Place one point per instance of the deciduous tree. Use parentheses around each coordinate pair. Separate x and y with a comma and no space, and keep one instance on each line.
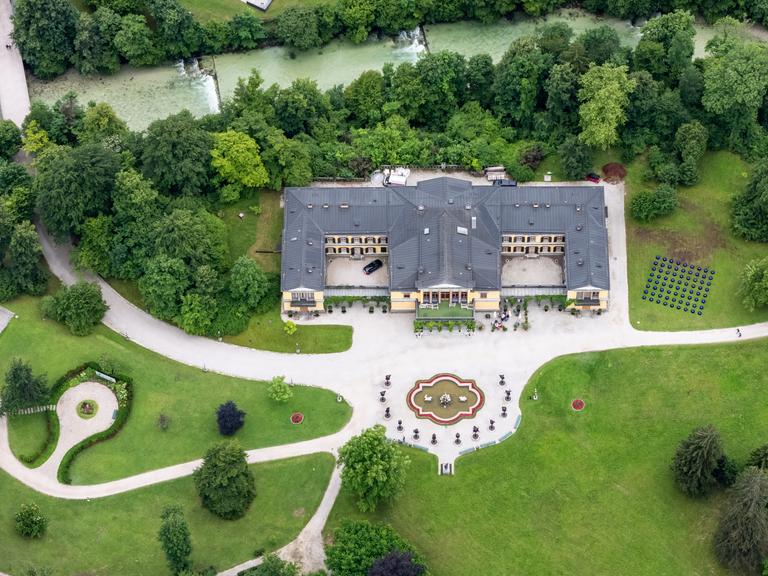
(236,160)
(604,96)
(374,469)
(44,31)
(135,41)
(80,307)
(30,522)
(754,284)
(10,139)
(224,482)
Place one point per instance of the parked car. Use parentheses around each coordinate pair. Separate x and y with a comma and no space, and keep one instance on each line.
(371,267)
(592,177)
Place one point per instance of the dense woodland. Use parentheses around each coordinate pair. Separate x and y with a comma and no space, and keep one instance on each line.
(53,34)
(143,206)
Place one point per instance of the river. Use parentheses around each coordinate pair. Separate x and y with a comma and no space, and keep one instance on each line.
(146,94)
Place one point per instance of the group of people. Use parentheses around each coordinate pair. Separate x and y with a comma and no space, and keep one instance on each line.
(499,319)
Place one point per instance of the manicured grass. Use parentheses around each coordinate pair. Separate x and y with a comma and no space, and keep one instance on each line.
(187,395)
(256,236)
(27,433)
(444,310)
(117,536)
(699,232)
(265,331)
(591,492)
(206,10)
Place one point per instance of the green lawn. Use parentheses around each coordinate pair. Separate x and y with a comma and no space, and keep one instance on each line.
(265,331)
(187,395)
(256,236)
(589,493)
(444,310)
(28,433)
(117,536)
(699,232)
(206,10)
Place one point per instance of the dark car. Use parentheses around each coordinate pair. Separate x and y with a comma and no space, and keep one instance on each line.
(371,267)
(592,177)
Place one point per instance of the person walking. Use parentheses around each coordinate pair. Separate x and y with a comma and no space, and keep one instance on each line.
(738,333)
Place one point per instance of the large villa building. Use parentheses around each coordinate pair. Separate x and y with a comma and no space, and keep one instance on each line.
(445,243)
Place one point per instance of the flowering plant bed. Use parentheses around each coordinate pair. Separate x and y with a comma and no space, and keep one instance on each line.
(87,409)
(445,399)
(578,404)
(297,418)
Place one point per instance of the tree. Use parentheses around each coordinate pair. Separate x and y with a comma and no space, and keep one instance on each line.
(236,160)
(230,418)
(176,155)
(22,388)
(175,539)
(650,204)
(396,564)
(480,74)
(300,106)
(519,81)
(604,96)
(442,78)
(357,545)
(759,458)
(364,97)
(24,254)
(135,41)
(73,184)
(197,238)
(197,313)
(79,307)
(554,38)
(30,522)
(754,284)
(44,31)
(750,207)
(278,390)
(10,139)
(562,87)
(374,469)
(696,461)
(600,43)
(272,565)
(298,28)
(691,144)
(247,283)
(245,31)
(741,539)
(357,16)
(178,32)
(163,285)
(575,158)
(95,50)
(224,482)
(100,124)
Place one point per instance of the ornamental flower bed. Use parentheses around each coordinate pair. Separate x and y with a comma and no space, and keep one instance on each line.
(297,418)
(578,404)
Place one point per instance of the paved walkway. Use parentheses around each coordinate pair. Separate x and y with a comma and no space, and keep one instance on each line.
(382,345)
(5,318)
(72,428)
(14,96)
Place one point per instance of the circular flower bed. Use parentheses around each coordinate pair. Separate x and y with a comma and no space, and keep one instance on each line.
(578,404)
(87,409)
(297,418)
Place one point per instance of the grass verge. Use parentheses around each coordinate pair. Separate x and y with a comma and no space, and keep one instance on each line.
(189,397)
(590,492)
(117,536)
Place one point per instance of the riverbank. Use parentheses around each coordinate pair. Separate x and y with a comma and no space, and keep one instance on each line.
(141,95)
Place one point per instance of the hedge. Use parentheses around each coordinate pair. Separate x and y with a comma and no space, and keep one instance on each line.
(122,416)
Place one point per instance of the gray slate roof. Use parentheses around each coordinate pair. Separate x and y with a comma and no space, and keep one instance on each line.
(444,256)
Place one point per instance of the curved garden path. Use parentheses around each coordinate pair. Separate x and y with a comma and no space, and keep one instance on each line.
(381,346)
(72,428)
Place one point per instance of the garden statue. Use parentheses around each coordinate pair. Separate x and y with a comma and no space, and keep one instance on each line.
(503,411)
(382,395)
(458,438)
(434,439)
(507,395)
(492,426)
(386,413)
(399,425)
(415,433)
(386,380)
